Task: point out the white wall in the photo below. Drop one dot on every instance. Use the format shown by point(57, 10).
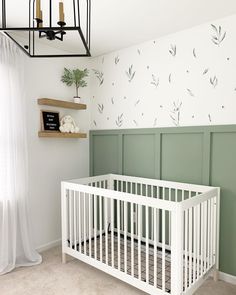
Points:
point(195, 86)
point(186, 94)
point(52, 160)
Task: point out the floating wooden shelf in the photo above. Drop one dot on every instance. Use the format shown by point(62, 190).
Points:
point(57, 134)
point(61, 104)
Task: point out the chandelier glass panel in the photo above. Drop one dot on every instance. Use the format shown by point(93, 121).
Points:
point(48, 28)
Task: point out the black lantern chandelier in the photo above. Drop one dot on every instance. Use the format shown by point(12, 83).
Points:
point(54, 28)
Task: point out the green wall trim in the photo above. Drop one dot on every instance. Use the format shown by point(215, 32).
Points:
point(201, 155)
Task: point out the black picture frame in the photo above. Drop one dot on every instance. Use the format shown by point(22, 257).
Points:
point(50, 121)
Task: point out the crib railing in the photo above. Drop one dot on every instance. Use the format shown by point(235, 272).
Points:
point(158, 236)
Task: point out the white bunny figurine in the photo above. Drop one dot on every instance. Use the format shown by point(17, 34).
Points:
point(68, 125)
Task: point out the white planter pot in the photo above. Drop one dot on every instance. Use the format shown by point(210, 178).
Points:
point(77, 99)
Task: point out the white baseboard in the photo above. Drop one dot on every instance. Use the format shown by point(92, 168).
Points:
point(48, 245)
point(227, 278)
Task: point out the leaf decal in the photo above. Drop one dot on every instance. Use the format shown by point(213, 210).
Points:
point(209, 117)
point(117, 59)
point(155, 81)
point(119, 121)
point(205, 71)
point(95, 123)
point(137, 102)
point(130, 73)
point(155, 122)
point(135, 122)
point(190, 92)
point(173, 50)
point(100, 108)
point(112, 100)
point(175, 113)
point(100, 76)
point(218, 36)
point(194, 53)
point(170, 78)
point(214, 81)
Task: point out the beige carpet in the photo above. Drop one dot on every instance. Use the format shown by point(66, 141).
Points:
point(77, 278)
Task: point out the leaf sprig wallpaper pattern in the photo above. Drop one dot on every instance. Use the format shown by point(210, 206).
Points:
point(184, 79)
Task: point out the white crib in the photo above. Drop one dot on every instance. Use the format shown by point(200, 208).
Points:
point(159, 236)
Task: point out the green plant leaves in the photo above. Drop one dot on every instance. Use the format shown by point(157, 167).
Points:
point(75, 77)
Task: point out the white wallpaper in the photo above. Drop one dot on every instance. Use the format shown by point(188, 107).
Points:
point(184, 79)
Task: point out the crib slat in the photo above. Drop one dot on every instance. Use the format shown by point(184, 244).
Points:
point(118, 228)
point(85, 238)
point(198, 241)
point(205, 233)
point(100, 226)
point(169, 217)
point(79, 222)
point(163, 249)
point(122, 208)
point(147, 244)
point(106, 230)
point(152, 215)
point(132, 238)
point(90, 224)
point(208, 235)
point(155, 247)
point(125, 237)
point(190, 245)
point(70, 214)
point(112, 233)
point(202, 239)
point(95, 208)
point(158, 217)
point(136, 211)
point(186, 249)
point(75, 223)
point(139, 241)
point(194, 242)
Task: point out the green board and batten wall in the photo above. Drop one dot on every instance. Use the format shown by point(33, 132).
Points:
point(199, 155)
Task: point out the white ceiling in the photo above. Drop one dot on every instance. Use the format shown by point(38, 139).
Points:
point(117, 24)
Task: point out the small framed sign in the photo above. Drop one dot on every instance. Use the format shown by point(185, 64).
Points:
point(50, 121)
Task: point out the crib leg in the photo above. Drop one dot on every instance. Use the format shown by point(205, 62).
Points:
point(64, 258)
point(216, 275)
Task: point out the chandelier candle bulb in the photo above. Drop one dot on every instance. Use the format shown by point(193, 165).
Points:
point(61, 11)
point(41, 18)
point(38, 9)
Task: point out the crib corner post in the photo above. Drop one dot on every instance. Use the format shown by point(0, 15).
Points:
point(63, 221)
point(63, 258)
point(177, 237)
point(216, 275)
point(216, 270)
point(111, 182)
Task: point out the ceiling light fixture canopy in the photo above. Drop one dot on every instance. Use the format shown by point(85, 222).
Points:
point(48, 28)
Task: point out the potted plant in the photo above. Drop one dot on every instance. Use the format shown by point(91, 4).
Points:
point(75, 77)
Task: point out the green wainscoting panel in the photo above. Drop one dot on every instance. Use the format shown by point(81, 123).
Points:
point(223, 174)
point(105, 154)
point(138, 155)
point(181, 157)
point(201, 155)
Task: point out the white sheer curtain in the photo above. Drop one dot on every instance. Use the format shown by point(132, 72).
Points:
point(15, 244)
